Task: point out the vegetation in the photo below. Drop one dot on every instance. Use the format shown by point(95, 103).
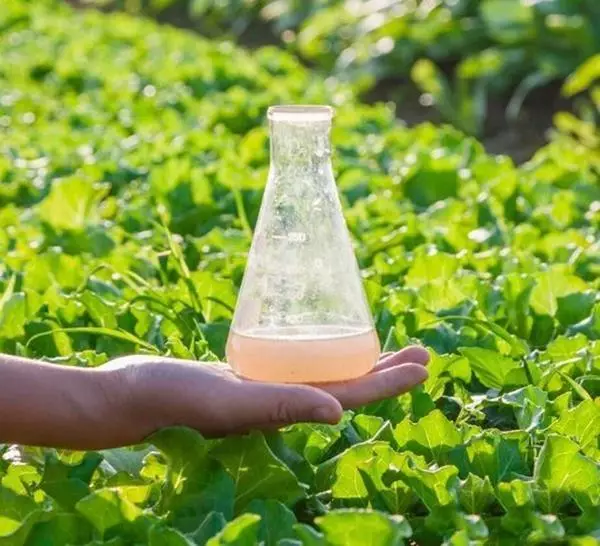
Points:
point(459, 53)
point(133, 160)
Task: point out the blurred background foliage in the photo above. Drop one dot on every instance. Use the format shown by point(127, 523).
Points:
point(492, 68)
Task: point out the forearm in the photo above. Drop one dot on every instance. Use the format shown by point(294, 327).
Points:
point(50, 405)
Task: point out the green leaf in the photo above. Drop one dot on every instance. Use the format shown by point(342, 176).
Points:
point(508, 23)
point(427, 268)
point(476, 494)
point(14, 513)
point(433, 436)
point(357, 527)
point(124, 459)
point(106, 509)
point(308, 535)
point(355, 478)
point(443, 369)
point(276, 521)
point(242, 531)
point(530, 406)
point(556, 282)
point(13, 316)
point(195, 485)
point(72, 203)
point(178, 444)
point(66, 483)
point(491, 368)
point(437, 489)
point(575, 307)
point(213, 523)
point(582, 424)
point(562, 471)
point(240, 456)
point(517, 500)
point(164, 536)
point(583, 78)
point(493, 454)
point(60, 529)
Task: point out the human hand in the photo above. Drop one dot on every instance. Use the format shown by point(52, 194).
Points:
point(215, 401)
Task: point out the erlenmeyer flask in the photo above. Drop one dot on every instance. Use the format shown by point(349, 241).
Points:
point(301, 315)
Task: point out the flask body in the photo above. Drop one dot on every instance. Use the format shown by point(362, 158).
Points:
point(302, 314)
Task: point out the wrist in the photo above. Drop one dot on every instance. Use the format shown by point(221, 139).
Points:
point(133, 388)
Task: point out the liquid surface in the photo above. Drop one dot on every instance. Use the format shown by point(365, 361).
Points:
point(307, 355)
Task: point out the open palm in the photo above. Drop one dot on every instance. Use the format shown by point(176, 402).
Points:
point(215, 401)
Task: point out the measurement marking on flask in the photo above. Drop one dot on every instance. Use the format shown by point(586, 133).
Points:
point(292, 237)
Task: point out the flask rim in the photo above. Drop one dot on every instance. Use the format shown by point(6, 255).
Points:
point(300, 113)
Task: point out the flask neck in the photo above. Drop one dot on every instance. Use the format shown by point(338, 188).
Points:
point(296, 144)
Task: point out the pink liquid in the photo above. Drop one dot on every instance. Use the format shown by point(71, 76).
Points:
point(291, 355)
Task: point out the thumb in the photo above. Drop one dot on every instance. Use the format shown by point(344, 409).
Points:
point(280, 405)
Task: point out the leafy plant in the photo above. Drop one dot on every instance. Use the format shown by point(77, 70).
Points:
point(133, 161)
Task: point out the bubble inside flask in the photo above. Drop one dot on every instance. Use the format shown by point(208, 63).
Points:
point(302, 315)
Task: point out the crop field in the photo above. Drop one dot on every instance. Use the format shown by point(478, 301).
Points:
point(133, 158)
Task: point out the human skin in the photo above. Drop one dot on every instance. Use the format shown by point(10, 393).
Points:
point(129, 398)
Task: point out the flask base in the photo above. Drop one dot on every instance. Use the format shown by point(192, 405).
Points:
point(286, 355)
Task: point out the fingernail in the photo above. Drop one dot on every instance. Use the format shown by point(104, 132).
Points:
point(324, 414)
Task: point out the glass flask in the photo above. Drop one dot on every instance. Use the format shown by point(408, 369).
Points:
point(302, 315)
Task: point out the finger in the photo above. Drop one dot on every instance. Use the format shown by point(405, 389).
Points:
point(409, 355)
point(265, 405)
point(377, 386)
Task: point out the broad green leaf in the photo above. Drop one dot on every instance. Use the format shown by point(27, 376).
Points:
point(356, 478)
point(106, 509)
point(443, 369)
point(575, 307)
point(368, 426)
point(308, 535)
point(582, 424)
point(240, 456)
point(130, 460)
point(493, 454)
point(16, 515)
point(433, 436)
point(213, 523)
point(276, 521)
point(52, 269)
point(13, 316)
point(583, 77)
point(529, 404)
point(72, 203)
point(552, 284)
point(476, 494)
point(66, 483)
point(427, 268)
point(164, 536)
point(517, 499)
point(61, 528)
point(357, 527)
point(312, 440)
point(242, 531)
point(437, 489)
point(508, 23)
point(187, 453)
point(491, 368)
point(562, 471)
point(546, 527)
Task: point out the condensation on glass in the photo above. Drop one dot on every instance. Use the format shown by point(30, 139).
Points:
point(302, 315)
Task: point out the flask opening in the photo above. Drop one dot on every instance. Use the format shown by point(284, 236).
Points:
point(300, 114)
